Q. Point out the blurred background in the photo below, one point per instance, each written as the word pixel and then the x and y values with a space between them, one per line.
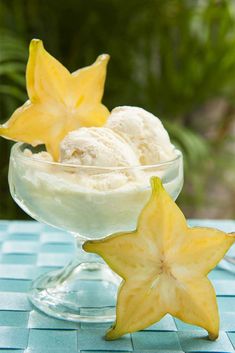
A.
pixel 175 58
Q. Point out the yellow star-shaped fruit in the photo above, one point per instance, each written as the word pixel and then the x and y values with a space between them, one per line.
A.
pixel 59 101
pixel 164 266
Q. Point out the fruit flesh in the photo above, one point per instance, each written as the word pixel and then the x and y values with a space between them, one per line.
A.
pixel 59 102
pixel 164 265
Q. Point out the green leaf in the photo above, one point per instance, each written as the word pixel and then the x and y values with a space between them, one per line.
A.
pixel 10 67
pixel 13 91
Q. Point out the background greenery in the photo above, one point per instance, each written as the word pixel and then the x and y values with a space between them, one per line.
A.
pixel 175 58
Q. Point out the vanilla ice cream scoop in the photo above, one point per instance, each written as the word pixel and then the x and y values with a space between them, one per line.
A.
pixel 96 146
pixel 144 132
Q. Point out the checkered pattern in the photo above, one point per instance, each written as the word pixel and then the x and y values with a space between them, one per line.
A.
pixel 28 249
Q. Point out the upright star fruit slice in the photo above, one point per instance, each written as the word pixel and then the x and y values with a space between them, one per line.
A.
pixel 59 101
pixel 164 266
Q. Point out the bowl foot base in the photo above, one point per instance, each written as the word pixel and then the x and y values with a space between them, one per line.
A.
pixel 86 293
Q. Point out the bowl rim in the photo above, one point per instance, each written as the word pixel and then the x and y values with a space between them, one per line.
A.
pixel 17 152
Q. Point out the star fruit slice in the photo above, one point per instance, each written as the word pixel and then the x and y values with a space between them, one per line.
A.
pixel 164 266
pixel 59 101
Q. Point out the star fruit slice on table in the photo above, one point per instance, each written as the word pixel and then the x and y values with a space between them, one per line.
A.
pixel 59 101
pixel 164 266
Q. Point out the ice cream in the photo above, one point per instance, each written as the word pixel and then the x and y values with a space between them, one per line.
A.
pixel 144 132
pixel 131 137
pixel 100 147
pixel 41 156
pixel 102 181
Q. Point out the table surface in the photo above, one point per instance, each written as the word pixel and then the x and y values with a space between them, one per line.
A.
pixel 28 249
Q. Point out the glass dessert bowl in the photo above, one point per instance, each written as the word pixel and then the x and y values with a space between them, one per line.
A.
pixel 89 203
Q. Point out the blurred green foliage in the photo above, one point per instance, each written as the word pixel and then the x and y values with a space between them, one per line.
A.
pixel 170 57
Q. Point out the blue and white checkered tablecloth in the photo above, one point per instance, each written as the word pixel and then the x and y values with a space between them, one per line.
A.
pixel 28 249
